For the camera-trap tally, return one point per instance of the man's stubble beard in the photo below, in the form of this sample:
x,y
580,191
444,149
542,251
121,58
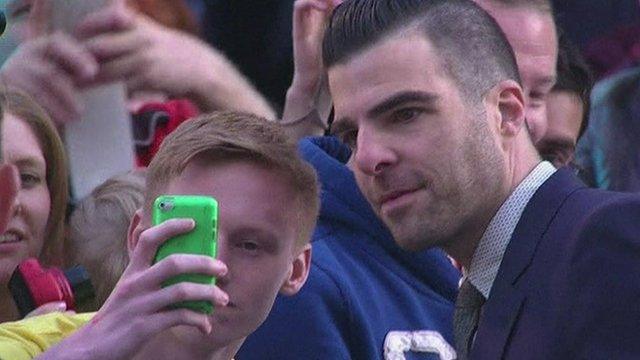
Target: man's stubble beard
x,y
467,206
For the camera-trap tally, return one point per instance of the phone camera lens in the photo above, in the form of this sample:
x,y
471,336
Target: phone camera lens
x,y
165,205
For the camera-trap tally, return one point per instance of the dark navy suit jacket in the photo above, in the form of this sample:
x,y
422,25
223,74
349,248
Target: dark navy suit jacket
x,y
569,283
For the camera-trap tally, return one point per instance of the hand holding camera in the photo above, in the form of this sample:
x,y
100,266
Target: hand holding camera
x,y
139,306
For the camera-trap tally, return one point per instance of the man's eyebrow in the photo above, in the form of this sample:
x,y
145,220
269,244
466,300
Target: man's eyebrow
x,y
402,98
343,124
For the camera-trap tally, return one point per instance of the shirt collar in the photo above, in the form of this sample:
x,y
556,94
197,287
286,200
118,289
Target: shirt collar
x,y
493,244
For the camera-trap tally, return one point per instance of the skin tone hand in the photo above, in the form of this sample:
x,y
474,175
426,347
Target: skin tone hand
x,y
137,309
50,67
308,89
153,58
9,185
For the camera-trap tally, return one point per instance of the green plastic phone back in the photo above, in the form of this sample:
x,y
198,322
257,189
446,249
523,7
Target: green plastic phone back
x,y
202,240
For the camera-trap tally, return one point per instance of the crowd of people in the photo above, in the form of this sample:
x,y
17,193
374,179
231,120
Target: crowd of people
x,y
441,183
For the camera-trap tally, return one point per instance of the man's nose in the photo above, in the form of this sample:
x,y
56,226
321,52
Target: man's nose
x,y
373,154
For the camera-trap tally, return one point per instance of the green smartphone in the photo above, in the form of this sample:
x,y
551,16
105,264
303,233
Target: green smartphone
x,y
202,240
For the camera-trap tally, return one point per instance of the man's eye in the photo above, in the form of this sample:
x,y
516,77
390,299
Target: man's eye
x,y
404,115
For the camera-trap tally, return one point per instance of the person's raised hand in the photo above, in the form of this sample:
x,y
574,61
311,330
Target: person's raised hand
x,y
50,67
308,103
310,19
138,307
150,57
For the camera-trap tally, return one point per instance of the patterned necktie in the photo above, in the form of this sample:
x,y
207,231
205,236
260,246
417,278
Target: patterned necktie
x,y
465,317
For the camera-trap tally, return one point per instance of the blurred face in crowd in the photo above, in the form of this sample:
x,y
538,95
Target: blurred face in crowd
x,y
257,240
565,112
26,228
532,35
427,161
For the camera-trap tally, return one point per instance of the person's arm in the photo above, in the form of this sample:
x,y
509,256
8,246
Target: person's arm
x,y
138,306
308,103
151,57
50,69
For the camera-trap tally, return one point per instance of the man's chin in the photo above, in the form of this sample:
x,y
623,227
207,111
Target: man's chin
x,y
411,241
414,236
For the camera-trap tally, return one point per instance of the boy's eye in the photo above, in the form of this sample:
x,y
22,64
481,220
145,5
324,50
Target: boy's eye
x,y
250,246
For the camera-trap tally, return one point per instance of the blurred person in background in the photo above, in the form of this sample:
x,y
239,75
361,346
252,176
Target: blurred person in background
x,y
98,228
119,44
567,106
609,152
35,228
531,31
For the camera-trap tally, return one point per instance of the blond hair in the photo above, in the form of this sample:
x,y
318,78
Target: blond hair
x,y
98,231
223,136
26,109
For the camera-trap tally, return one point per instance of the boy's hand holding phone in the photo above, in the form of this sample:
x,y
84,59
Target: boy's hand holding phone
x,y
139,307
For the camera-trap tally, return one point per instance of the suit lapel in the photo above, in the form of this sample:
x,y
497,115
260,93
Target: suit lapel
x,y
506,301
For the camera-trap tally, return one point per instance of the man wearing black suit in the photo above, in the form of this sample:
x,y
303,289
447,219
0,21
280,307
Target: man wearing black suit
x,y
428,95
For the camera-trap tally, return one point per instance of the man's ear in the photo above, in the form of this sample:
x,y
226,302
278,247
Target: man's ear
x,y
299,272
509,98
9,186
134,231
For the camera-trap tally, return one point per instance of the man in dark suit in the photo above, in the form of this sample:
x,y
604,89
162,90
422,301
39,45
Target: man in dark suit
x,y
428,95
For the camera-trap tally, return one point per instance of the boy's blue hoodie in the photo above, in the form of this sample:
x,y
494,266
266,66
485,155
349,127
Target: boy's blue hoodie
x,y
362,289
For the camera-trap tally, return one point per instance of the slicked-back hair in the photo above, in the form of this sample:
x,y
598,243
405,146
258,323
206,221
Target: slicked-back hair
x,y
471,46
226,136
574,76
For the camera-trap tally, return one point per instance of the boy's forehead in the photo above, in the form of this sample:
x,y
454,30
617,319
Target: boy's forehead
x,y
248,194
232,181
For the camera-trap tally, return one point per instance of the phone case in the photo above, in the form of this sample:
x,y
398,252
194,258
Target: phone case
x,y
202,240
